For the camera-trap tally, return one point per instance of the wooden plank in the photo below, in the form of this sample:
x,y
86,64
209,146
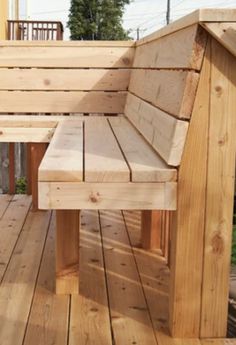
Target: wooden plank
x,y
116,196
5,200
29,55
224,33
65,44
62,102
155,276
10,227
37,153
187,49
201,15
17,287
67,252
218,342
129,314
49,315
63,160
151,230
65,79
25,135
188,222
172,91
91,325
219,194
144,163
103,160
32,121
165,133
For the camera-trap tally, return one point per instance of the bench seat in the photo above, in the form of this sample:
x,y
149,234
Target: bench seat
x,y
96,162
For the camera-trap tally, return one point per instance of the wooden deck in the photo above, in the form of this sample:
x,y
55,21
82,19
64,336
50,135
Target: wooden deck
x,y
123,289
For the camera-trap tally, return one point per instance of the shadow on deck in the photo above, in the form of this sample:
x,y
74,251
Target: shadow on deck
x,y
123,289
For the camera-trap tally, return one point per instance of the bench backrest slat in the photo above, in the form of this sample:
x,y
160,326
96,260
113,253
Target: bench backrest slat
x,y
183,49
164,132
163,87
65,77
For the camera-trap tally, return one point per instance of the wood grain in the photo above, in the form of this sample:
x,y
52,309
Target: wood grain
x,y
116,196
188,223
91,325
17,287
219,194
67,251
103,160
165,133
224,33
145,165
49,314
63,160
187,48
31,55
64,79
172,91
37,151
62,102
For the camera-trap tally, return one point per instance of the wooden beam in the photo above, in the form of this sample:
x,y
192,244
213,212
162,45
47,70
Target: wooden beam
x,y
62,102
198,16
219,193
187,48
67,251
63,160
115,196
156,86
165,133
65,79
224,33
151,229
188,221
30,54
37,153
25,135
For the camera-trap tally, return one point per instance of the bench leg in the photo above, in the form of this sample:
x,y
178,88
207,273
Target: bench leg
x,y
67,251
36,153
151,229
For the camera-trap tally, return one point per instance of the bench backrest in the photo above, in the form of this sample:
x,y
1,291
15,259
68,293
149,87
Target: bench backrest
x,y
64,77
162,89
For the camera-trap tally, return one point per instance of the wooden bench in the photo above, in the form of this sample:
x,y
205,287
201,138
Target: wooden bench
x,y
170,148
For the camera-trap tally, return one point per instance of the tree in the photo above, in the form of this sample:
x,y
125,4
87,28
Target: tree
x,y
97,20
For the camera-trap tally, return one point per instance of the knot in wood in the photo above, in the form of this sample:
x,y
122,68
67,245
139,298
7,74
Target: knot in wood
x,y
217,243
94,197
126,61
219,90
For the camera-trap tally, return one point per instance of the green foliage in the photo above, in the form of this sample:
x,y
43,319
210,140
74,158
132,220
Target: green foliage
x,y
21,185
97,20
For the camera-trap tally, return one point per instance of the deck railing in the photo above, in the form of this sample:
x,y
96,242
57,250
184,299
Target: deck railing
x,y
27,30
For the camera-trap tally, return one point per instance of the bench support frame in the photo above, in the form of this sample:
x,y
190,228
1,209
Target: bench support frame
x,y
202,228
67,251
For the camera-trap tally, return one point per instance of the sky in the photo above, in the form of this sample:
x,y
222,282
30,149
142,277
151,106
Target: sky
x,y
147,15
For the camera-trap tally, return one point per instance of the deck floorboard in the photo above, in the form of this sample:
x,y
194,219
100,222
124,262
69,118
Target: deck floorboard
x,y
123,296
